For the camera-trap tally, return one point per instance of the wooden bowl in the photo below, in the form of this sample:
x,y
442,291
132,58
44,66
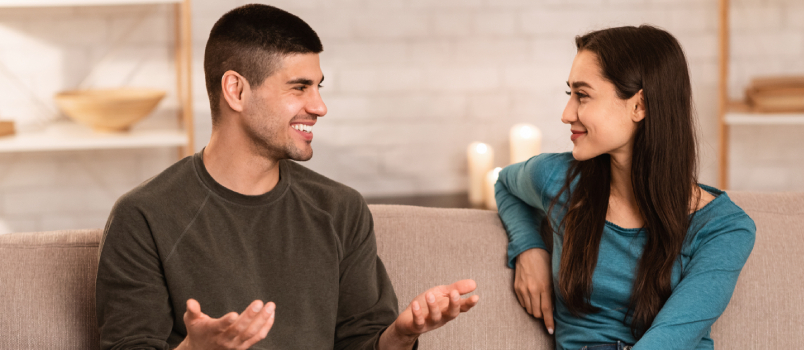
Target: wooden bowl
x,y
112,110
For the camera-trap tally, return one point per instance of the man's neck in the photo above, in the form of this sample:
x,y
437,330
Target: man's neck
x,y
236,165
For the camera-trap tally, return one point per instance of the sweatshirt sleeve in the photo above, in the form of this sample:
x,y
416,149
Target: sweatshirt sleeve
x,y
367,304
521,202
705,288
132,301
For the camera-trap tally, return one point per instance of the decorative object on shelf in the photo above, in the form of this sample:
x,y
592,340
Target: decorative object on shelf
x,y
481,160
113,110
6,127
491,180
776,94
526,142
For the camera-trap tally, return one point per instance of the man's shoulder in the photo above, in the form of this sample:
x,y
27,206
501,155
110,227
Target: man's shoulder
x,y
168,184
325,193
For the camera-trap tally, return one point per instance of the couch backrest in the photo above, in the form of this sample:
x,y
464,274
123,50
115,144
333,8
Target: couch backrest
x,y
425,247
767,308
47,290
47,280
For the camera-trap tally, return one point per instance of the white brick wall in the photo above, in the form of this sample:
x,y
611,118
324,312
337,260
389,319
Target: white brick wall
x,y
409,83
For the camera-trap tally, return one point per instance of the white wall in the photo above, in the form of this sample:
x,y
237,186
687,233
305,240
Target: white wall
x,y
409,83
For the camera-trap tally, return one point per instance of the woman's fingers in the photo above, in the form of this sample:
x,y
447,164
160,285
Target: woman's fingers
x,y
535,302
547,311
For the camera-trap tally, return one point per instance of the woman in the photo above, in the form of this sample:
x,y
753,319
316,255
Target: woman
x,y
633,250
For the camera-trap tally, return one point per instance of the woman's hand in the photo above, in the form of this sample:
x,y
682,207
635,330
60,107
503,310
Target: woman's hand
x,y
533,285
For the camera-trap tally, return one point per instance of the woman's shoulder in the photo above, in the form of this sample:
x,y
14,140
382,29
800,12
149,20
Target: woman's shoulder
x,y
546,165
722,218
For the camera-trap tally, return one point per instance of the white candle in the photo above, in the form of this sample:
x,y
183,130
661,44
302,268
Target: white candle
x,y
526,142
481,160
491,179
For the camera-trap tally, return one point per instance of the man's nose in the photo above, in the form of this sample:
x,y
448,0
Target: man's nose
x,y
316,105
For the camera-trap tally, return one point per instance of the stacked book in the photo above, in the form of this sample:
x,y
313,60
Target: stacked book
x,y
776,94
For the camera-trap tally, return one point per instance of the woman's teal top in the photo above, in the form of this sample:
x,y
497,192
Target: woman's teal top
x,y
718,243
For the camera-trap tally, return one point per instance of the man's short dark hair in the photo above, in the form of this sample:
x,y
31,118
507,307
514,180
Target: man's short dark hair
x,y
250,40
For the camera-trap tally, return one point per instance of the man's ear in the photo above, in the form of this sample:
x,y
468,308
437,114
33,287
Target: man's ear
x,y
638,103
234,87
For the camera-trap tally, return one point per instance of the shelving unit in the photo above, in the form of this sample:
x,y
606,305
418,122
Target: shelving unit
x,y
732,113
70,136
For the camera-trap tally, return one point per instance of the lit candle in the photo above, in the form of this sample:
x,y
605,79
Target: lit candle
x,y
491,179
526,142
481,160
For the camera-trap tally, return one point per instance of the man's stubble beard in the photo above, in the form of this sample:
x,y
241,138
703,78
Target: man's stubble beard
x,y
260,137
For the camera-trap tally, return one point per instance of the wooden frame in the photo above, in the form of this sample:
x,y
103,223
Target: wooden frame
x,y
723,98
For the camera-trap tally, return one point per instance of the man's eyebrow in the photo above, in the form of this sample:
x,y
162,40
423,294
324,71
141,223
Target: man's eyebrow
x,y
303,81
579,84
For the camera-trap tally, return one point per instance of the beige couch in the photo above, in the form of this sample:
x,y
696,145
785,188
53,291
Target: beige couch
x,y
47,280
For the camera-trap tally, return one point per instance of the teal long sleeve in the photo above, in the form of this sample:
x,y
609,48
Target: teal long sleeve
x,y
720,239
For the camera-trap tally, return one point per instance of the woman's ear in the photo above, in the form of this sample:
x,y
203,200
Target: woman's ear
x,y
638,103
234,87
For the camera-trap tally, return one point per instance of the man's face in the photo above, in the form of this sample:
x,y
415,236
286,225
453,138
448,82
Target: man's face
x,y
279,116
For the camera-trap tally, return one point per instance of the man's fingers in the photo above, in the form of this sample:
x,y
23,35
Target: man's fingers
x,y
193,310
468,303
454,308
245,319
260,326
463,286
418,315
547,312
257,322
432,307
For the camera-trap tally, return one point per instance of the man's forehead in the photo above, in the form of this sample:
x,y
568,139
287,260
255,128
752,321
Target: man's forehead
x,y
298,66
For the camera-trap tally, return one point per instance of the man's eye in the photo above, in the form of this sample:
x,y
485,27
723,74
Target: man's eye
x,y
301,88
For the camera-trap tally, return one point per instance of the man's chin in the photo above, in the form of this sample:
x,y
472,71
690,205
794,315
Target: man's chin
x,y
301,156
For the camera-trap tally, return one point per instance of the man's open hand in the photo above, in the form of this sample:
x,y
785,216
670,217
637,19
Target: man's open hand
x,y
428,311
232,331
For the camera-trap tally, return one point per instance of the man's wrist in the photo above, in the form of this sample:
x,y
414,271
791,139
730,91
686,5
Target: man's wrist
x,y
391,338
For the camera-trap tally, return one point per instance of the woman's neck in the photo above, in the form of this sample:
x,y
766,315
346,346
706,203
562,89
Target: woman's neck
x,y
623,210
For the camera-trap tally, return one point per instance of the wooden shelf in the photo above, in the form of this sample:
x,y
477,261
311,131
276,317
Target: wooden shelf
x,y
46,3
739,113
69,136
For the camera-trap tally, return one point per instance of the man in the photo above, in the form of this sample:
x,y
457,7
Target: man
x,y
238,223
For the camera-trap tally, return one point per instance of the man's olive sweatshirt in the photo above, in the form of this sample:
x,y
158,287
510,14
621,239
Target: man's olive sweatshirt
x,y
308,245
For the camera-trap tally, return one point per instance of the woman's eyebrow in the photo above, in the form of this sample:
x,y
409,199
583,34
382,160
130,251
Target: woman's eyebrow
x,y
579,84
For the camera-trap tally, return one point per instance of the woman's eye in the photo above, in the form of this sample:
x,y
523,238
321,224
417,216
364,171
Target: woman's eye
x,y
569,93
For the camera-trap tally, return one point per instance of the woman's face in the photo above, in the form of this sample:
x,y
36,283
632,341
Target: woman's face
x,y
600,121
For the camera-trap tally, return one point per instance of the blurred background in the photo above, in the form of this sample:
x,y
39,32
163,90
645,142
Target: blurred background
x,y
409,84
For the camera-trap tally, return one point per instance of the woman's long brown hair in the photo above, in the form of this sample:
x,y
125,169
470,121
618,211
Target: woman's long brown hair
x,y
663,172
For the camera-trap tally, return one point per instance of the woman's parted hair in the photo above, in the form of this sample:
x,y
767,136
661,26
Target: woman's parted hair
x,y
250,40
663,171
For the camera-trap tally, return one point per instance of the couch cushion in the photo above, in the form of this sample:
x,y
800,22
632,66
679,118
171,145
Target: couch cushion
x,y
47,293
767,308
425,247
